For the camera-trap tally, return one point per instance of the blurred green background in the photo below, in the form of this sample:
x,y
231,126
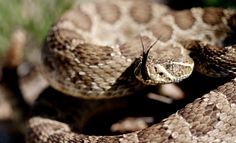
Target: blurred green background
x,y
34,17
220,3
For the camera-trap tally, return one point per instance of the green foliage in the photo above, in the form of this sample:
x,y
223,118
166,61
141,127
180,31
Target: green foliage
x,y
9,18
33,16
220,3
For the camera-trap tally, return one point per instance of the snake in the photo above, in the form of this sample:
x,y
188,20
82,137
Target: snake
x,y
105,50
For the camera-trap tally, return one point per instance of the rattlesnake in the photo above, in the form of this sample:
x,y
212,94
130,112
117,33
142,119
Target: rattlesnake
x,y
94,51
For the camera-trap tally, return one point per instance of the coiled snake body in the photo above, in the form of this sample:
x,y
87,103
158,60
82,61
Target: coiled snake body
x,y
94,51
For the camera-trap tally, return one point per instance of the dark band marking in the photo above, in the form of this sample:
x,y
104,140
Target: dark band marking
x,y
141,11
213,16
109,12
162,31
183,19
80,19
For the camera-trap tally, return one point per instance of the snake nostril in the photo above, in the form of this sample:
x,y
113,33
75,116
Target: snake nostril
x,y
156,70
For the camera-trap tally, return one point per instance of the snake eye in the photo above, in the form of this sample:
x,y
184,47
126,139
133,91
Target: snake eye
x,y
161,73
158,72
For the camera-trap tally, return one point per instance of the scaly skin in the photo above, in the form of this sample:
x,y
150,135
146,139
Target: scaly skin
x,y
94,49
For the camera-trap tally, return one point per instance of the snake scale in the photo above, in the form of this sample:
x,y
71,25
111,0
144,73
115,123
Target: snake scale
x,y
107,49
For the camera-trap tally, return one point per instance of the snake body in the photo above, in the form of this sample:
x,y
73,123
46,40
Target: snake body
x,y
94,51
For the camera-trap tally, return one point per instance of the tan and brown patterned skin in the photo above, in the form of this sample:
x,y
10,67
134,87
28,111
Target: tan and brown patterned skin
x,y
92,52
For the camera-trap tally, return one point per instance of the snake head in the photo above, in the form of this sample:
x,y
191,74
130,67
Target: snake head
x,y
161,72
153,71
